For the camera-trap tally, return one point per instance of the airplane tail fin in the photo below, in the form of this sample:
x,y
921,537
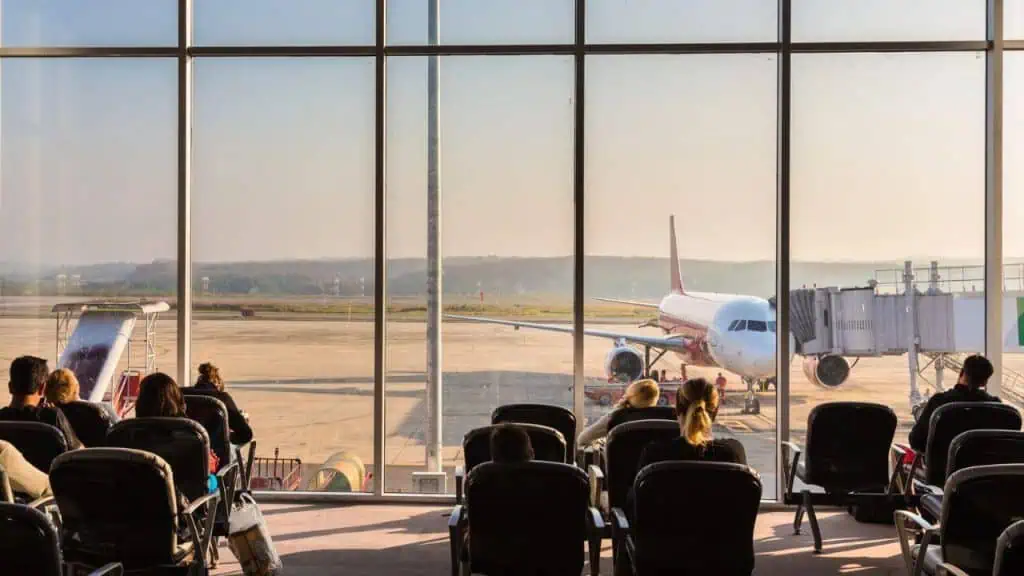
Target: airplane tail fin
x,y
677,278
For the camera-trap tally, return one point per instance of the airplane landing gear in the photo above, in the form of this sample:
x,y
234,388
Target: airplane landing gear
x,y
751,403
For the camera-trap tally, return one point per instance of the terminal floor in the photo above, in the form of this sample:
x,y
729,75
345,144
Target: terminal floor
x,y
371,540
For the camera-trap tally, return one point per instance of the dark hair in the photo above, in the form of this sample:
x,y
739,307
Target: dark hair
x,y
977,370
510,443
209,377
159,395
28,375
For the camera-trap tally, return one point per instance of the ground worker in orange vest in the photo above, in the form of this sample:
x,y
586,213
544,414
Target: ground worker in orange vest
x,y
720,383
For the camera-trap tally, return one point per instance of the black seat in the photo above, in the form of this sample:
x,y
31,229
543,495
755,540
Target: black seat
x,y
212,415
979,503
89,421
975,448
951,420
245,463
1010,551
556,417
548,446
119,504
39,443
29,544
181,442
623,415
529,518
661,542
847,454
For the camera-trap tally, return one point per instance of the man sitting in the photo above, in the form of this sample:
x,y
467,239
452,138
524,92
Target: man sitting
x,y
969,388
27,385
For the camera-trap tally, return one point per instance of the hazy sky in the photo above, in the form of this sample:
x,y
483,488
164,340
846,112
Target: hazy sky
x,y
888,150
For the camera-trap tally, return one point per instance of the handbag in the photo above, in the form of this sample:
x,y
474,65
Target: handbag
x,y
249,539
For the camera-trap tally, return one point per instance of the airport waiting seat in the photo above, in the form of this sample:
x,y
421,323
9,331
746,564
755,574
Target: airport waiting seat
x,y
973,448
557,417
979,504
29,544
39,443
245,463
671,499
847,455
89,421
526,518
623,415
548,446
119,504
1009,554
212,415
948,422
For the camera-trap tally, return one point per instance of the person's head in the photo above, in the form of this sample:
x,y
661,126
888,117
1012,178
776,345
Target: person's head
x,y
510,444
641,394
159,395
209,377
976,372
696,408
62,386
28,378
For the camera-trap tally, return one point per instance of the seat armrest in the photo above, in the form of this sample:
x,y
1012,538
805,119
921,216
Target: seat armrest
x,y
596,478
201,539
790,460
620,524
947,569
595,519
226,485
460,479
918,461
112,569
922,488
928,533
456,517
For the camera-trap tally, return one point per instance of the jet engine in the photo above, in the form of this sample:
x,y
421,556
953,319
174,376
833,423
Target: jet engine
x,y
827,371
624,364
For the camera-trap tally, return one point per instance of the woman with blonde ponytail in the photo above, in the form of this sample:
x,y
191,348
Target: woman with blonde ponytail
x,y
696,408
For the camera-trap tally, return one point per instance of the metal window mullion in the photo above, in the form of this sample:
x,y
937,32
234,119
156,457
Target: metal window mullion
x,y
184,253
380,253
994,192
782,238
579,181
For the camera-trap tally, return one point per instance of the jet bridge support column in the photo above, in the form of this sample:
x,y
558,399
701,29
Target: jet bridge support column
x,y
911,311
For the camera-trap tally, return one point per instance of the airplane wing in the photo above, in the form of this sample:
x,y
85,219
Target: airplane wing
x,y
629,302
659,342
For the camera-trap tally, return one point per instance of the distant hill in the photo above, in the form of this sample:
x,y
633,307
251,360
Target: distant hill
x,y
617,277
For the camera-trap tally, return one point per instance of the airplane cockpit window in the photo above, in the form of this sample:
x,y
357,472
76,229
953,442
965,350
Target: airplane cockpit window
x,y
757,325
741,325
732,326
771,326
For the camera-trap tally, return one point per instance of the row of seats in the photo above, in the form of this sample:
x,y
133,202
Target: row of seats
x,y
975,451
133,500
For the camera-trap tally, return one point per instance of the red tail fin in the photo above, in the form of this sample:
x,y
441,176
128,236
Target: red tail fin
x,y
677,278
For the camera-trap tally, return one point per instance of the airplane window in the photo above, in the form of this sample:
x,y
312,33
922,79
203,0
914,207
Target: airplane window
x,y
732,326
771,326
741,325
757,325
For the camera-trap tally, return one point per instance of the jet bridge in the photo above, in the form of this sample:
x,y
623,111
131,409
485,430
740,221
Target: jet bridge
x,y
900,317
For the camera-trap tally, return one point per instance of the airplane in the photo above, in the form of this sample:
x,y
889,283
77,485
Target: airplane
x,y
728,331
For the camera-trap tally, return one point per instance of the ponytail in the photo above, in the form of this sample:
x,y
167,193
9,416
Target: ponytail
x,y
697,425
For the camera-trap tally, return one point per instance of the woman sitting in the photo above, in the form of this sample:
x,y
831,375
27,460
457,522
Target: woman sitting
x,y
639,394
159,396
91,421
696,409
211,384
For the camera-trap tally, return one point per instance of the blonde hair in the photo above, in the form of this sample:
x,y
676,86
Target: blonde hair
x,y
641,394
62,386
696,408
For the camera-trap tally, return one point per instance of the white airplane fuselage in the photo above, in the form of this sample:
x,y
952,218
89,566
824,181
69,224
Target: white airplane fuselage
x,y
733,332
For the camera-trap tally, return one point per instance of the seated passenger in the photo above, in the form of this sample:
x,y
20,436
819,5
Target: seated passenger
x,y
639,394
970,387
211,384
27,386
696,409
510,444
159,396
23,476
62,389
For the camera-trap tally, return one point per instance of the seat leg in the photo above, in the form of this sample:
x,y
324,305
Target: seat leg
x,y
813,520
214,553
798,519
594,548
453,544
